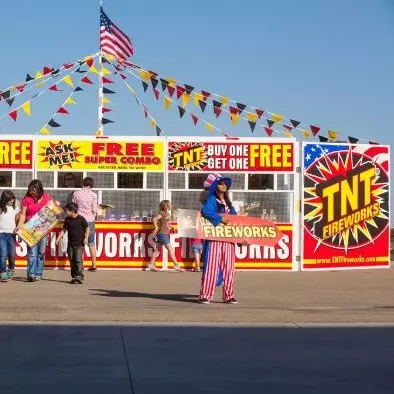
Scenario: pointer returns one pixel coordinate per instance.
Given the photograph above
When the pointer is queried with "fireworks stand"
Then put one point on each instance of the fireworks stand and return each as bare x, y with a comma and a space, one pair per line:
133, 174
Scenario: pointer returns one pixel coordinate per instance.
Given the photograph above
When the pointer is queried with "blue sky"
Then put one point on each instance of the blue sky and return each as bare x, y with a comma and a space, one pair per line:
322, 62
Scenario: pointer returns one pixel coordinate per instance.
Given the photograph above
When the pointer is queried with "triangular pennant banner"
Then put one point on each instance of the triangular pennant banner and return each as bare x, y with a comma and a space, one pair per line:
216, 103
288, 127
171, 90
322, 138
306, 133
167, 102
164, 84
276, 118
10, 101
145, 86
123, 76
156, 93
217, 111
332, 135
195, 119
224, 100
85, 79
251, 117
52, 123
108, 91
47, 70
68, 65
90, 62
153, 122
259, 112
44, 131
105, 100
21, 87
29, 78
106, 121
205, 94
270, 122
106, 80
158, 131
145, 75
185, 100
181, 111
189, 89
26, 108
373, 143
353, 140
62, 110
234, 118
202, 105
314, 129
55, 73
6, 94
54, 88
154, 82
70, 100
105, 71
179, 91
93, 70
67, 79
104, 110
295, 123
209, 126
13, 115
252, 125
234, 110
241, 107
197, 97
268, 131
78, 89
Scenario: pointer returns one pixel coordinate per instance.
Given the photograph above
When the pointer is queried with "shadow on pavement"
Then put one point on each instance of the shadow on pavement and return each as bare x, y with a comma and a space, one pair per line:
200, 359
135, 294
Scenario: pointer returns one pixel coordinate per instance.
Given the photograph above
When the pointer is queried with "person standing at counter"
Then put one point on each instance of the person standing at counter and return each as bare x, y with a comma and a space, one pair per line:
35, 199
161, 231
218, 254
86, 199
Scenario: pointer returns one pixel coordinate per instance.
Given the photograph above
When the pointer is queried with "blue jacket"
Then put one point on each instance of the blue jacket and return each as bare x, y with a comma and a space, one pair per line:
212, 208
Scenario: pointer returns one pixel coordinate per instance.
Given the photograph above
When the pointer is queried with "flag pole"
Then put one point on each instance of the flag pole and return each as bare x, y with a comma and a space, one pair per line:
100, 130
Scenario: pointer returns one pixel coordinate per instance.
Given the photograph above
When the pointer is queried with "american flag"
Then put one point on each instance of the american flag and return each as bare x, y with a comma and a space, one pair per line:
112, 40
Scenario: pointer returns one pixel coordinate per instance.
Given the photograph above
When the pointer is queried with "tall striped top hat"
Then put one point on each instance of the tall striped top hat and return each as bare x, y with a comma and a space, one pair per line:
212, 181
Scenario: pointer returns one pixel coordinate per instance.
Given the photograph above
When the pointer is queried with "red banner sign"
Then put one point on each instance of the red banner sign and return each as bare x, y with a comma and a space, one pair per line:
241, 228
16, 154
130, 245
231, 156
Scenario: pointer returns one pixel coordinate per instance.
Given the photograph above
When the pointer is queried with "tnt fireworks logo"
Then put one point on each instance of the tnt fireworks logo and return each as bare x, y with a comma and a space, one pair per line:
59, 154
187, 156
345, 194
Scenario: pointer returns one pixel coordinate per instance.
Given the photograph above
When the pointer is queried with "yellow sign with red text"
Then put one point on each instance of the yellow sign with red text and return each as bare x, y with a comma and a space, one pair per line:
110, 155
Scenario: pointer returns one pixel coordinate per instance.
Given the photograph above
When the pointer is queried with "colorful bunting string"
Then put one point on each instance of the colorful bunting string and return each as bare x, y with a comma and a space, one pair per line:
274, 121
62, 109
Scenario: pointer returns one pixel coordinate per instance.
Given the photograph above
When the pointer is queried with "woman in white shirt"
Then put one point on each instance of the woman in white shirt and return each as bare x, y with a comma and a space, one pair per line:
9, 213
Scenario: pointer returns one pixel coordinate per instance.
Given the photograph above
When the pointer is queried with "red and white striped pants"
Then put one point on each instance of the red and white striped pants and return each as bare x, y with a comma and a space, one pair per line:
220, 255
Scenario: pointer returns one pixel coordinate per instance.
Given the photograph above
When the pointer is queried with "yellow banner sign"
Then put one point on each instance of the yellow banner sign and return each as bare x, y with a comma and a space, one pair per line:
105, 155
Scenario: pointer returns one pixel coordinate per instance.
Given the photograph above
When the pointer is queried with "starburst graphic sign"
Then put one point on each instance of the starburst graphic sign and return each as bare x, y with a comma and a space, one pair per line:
345, 205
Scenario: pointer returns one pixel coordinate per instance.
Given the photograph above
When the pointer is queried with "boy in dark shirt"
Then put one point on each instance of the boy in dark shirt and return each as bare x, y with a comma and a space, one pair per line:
78, 234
